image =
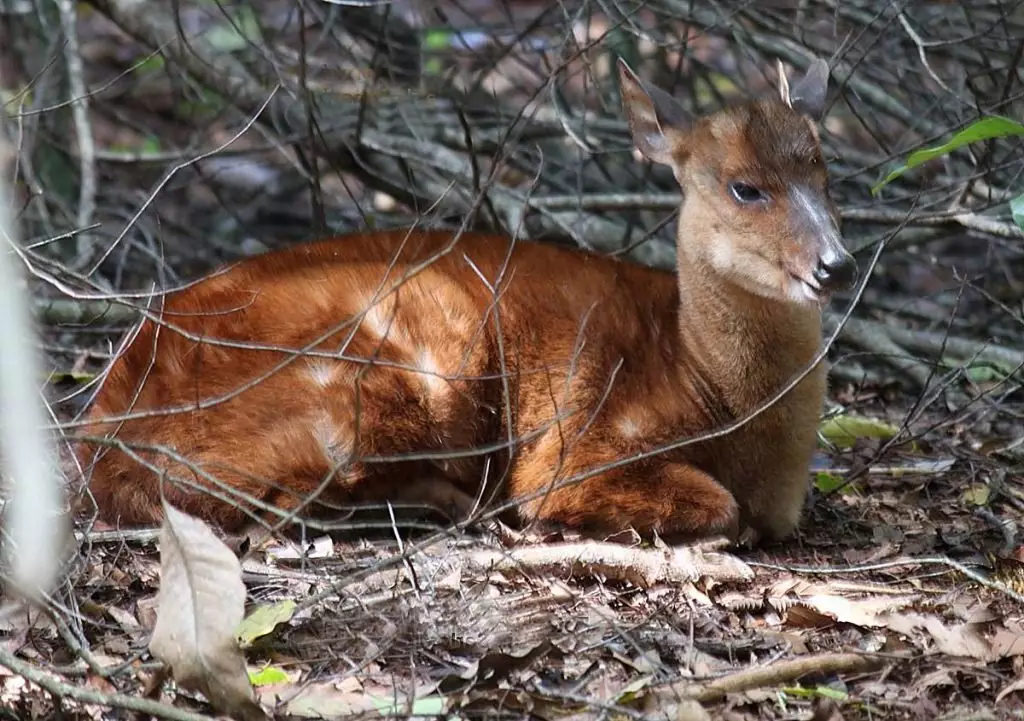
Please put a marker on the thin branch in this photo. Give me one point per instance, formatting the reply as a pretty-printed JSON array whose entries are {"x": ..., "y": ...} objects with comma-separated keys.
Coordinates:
[
  {"x": 83, "y": 129},
  {"x": 61, "y": 689},
  {"x": 775, "y": 674}
]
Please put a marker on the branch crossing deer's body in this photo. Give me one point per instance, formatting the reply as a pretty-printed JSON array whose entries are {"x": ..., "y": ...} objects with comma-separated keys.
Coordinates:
[{"x": 380, "y": 366}]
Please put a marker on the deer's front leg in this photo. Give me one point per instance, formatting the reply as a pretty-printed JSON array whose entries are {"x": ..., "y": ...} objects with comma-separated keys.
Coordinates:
[{"x": 677, "y": 501}]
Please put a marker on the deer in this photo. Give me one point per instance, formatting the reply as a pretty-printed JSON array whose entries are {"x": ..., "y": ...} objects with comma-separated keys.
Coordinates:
[{"x": 464, "y": 369}]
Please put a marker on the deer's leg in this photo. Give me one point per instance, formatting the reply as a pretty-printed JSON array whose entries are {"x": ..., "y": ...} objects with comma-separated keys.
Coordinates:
[{"x": 676, "y": 500}]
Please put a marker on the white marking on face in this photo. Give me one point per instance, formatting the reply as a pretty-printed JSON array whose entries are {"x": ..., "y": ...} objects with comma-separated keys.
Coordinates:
[
  {"x": 721, "y": 253},
  {"x": 814, "y": 214},
  {"x": 801, "y": 292}
]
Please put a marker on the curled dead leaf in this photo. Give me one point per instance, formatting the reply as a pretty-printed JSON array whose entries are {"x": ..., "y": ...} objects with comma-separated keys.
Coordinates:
[{"x": 200, "y": 603}]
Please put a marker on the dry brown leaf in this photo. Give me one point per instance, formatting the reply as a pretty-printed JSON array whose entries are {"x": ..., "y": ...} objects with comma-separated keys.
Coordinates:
[
  {"x": 938, "y": 677},
  {"x": 961, "y": 639},
  {"x": 200, "y": 602},
  {"x": 1007, "y": 642},
  {"x": 327, "y": 700},
  {"x": 804, "y": 604}
]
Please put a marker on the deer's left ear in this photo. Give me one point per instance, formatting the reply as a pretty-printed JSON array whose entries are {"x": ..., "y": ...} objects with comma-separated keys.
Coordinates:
[
  {"x": 658, "y": 123},
  {"x": 808, "y": 95}
]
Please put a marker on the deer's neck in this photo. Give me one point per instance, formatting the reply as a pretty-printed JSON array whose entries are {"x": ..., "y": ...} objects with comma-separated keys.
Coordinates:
[{"x": 743, "y": 346}]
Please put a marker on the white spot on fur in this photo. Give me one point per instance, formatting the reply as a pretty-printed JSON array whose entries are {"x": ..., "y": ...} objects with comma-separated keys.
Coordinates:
[
  {"x": 431, "y": 372},
  {"x": 377, "y": 320},
  {"x": 322, "y": 372},
  {"x": 628, "y": 427},
  {"x": 337, "y": 447}
]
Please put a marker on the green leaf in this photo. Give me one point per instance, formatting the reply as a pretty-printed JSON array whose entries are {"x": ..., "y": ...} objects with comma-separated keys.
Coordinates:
[
  {"x": 1017, "y": 208},
  {"x": 151, "y": 145},
  {"x": 842, "y": 431},
  {"x": 437, "y": 39},
  {"x": 981, "y": 373},
  {"x": 832, "y": 693},
  {"x": 977, "y": 495},
  {"x": 150, "y": 65},
  {"x": 263, "y": 620},
  {"x": 629, "y": 692},
  {"x": 268, "y": 676},
  {"x": 819, "y": 691},
  {"x": 994, "y": 126},
  {"x": 827, "y": 482}
]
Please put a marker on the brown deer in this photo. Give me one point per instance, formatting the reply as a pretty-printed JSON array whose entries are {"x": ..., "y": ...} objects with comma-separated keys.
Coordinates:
[{"x": 392, "y": 365}]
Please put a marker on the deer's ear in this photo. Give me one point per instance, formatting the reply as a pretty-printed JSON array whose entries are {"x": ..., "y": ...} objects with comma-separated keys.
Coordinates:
[
  {"x": 657, "y": 121},
  {"x": 808, "y": 95}
]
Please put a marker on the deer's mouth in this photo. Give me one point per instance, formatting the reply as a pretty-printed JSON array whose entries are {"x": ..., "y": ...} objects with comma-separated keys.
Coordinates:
[{"x": 809, "y": 288}]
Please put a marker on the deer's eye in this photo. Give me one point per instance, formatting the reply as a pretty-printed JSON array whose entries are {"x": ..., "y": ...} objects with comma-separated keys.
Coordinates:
[{"x": 745, "y": 193}]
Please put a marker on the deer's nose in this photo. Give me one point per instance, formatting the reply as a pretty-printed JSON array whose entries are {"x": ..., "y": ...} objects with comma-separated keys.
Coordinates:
[{"x": 836, "y": 271}]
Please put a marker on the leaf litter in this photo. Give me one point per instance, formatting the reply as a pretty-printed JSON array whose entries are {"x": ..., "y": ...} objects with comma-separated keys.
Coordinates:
[{"x": 858, "y": 617}]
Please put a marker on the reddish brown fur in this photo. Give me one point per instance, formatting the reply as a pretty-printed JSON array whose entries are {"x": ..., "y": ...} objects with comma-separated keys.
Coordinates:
[{"x": 602, "y": 359}]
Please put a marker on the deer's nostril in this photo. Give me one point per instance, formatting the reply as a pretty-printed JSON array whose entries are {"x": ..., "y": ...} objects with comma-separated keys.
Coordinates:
[{"x": 836, "y": 272}]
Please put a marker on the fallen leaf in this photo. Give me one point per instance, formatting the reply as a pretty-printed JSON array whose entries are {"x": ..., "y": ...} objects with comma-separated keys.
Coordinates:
[
  {"x": 827, "y": 482},
  {"x": 962, "y": 639},
  {"x": 977, "y": 494},
  {"x": 1008, "y": 642},
  {"x": 842, "y": 431},
  {"x": 321, "y": 547},
  {"x": 263, "y": 620},
  {"x": 324, "y": 700},
  {"x": 631, "y": 689},
  {"x": 939, "y": 677},
  {"x": 200, "y": 602},
  {"x": 268, "y": 675}
]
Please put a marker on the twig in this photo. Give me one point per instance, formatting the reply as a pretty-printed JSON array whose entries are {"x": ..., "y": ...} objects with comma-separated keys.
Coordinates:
[
  {"x": 127, "y": 535},
  {"x": 83, "y": 129},
  {"x": 874, "y": 339},
  {"x": 970, "y": 221},
  {"x": 900, "y": 562},
  {"x": 67, "y": 311},
  {"x": 929, "y": 341},
  {"x": 60, "y": 689},
  {"x": 773, "y": 675},
  {"x": 643, "y": 567}
]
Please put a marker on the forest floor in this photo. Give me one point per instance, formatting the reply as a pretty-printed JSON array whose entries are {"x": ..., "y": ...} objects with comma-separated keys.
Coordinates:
[{"x": 898, "y": 599}]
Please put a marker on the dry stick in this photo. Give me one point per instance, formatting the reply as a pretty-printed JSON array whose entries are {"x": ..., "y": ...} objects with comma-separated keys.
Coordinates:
[
  {"x": 83, "y": 128},
  {"x": 773, "y": 675},
  {"x": 875, "y": 340},
  {"x": 61, "y": 689},
  {"x": 905, "y": 561},
  {"x": 884, "y": 334},
  {"x": 68, "y": 311},
  {"x": 641, "y": 566}
]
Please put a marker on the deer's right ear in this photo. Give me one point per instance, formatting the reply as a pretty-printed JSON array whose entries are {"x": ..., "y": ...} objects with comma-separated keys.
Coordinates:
[{"x": 656, "y": 119}]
